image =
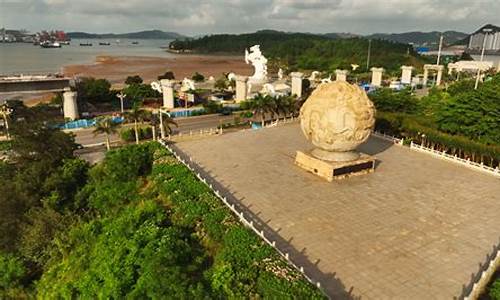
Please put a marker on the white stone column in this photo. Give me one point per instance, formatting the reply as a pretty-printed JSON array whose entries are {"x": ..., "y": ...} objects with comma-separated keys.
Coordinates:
[
  {"x": 167, "y": 87},
  {"x": 241, "y": 88},
  {"x": 377, "y": 76},
  {"x": 406, "y": 74},
  {"x": 70, "y": 105},
  {"x": 297, "y": 83},
  {"x": 341, "y": 75},
  {"x": 439, "y": 75},
  {"x": 426, "y": 75}
]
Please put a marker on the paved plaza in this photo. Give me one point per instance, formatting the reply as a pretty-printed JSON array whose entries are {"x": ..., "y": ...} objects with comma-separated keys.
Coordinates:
[{"x": 416, "y": 228}]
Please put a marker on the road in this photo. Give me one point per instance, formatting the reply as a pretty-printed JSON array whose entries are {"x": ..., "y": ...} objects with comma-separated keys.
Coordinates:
[{"x": 85, "y": 137}]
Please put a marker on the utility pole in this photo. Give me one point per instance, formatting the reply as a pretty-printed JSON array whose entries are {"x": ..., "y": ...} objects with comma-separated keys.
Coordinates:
[
  {"x": 368, "y": 56},
  {"x": 485, "y": 31},
  {"x": 439, "y": 50}
]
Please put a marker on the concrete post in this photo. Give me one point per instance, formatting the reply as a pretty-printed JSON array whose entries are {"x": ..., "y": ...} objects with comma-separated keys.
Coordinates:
[
  {"x": 439, "y": 75},
  {"x": 406, "y": 74},
  {"x": 341, "y": 75},
  {"x": 426, "y": 74},
  {"x": 241, "y": 88},
  {"x": 377, "y": 76},
  {"x": 167, "y": 87},
  {"x": 70, "y": 106},
  {"x": 297, "y": 83}
]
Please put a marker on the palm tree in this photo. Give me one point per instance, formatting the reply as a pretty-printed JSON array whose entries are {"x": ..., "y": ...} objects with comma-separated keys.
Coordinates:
[
  {"x": 167, "y": 121},
  {"x": 136, "y": 114},
  {"x": 107, "y": 126},
  {"x": 261, "y": 105}
]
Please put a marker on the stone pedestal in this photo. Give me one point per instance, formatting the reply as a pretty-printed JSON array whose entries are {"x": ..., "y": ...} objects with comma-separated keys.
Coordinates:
[
  {"x": 167, "y": 87},
  {"x": 406, "y": 74},
  {"x": 341, "y": 75},
  {"x": 241, "y": 88},
  {"x": 297, "y": 83},
  {"x": 377, "y": 76},
  {"x": 70, "y": 105},
  {"x": 334, "y": 170}
]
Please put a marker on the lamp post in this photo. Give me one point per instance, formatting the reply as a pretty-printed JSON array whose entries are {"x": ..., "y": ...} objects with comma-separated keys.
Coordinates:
[
  {"x": 5, "y": 111},
  {"x": 162, "y": 129},
  {"x": 121, "y": 96},
  {"x": 485, "y": 31}
]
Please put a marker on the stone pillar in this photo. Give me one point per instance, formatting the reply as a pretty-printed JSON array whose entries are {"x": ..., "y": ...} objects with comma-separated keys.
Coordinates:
[
  {"x": 70, "y": 106},
  {"x": 377, "y": 76},
  {"x": 297, "y": 83},
  {"x": 241, "y": 88},
  {"x": 426, "y": 74},
  {"x": 167, "y": 87},
  {"x": 341, "y": 75},
  {"x": 439, "y": 75},
  {"x": 406, "y": 74}
]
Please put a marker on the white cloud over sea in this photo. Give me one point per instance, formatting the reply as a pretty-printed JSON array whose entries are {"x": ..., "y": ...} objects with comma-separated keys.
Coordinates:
[{"x": 234, "y": 16}]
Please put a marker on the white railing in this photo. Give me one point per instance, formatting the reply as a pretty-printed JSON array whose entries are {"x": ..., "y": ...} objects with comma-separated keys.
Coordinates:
[
  {"x": 453, "y": 158},
  {"x": 441, "y": 154},
  {"x": 483, "y": 277},
  {"x": 234, "y": 207},
  {"x": 390, "y": 138}
]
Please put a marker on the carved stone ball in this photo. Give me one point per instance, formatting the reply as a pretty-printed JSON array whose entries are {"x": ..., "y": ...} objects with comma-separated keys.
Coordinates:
[{"x": 337, "y": 117}]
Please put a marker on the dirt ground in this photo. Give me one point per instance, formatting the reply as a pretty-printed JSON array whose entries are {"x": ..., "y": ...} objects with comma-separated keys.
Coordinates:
[{"x": 117, "y": 68}]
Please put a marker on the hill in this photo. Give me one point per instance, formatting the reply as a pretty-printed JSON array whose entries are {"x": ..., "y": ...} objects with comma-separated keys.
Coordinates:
[
  {"x": 306, "y": 51},
  {"x": 420, "y": 38},
  {"x": 148, "y": 34}
]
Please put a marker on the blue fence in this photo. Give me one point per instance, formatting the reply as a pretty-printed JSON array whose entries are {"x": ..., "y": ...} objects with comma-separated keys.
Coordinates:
[
  {"x": 186, "y": 112},
  {"x": 84, "y": 123}
]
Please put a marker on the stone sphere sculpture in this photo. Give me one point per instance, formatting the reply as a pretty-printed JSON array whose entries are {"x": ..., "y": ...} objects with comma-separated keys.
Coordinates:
[{"x": 336, "y": 118}]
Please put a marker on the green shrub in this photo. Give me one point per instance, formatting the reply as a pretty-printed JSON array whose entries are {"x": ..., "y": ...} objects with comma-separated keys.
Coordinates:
[
  {"x": 128, "y": 134},
  {"x": 494, "y": 290}
]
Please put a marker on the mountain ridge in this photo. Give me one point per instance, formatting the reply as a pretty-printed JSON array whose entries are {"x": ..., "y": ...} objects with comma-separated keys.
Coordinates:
[{"x": 145, "y": 34}]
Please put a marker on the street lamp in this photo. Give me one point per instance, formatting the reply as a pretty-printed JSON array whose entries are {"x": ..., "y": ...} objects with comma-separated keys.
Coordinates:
[
  {"x": 5, "y": 111},
  {"x": 485, "y": 31},
  {"x": 162, "y": 129},
  {"x": 121, "y": 96}
]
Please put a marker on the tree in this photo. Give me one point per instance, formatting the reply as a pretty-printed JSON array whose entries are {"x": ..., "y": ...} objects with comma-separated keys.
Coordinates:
[
  {"x": 136, "y": 79},
  {"x": 388, "y": 100},
  {"x": 168, "y": 75},
  {"x": 136, "y": 114},
  {"x": 137, "y": 91},
  {"x": 168, "y": 121},
  {"x": 221, "y": 84},
  {"x": 106, "y": 126},
  {"x": 197, "y": 77},
  {"x": 261, "y": 105},
  {"x": 94, "y": 90}
]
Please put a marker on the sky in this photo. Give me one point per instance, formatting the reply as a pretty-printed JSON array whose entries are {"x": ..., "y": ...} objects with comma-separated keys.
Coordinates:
[{"x": 191, "y": 17}]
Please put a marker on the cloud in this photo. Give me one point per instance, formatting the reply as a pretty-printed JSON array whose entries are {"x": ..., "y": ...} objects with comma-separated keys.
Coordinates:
[{"x": 232, "y": 16}]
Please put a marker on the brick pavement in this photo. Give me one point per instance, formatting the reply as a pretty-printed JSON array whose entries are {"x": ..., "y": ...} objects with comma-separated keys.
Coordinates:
[{"x": 417, "y": 228}]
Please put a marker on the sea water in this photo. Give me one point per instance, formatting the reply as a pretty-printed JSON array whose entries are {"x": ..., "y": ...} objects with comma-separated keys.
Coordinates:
[{"x": 25, "y": 58}]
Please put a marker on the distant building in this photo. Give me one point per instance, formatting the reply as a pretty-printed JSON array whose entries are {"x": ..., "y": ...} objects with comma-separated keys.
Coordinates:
[{"x": 492, "y": 38}]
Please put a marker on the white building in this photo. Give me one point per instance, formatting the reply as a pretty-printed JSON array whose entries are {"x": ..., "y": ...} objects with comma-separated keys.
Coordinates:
[{"x": 492, "y": 38}]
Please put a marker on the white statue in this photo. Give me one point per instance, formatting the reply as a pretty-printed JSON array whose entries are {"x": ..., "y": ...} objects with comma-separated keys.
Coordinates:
[
  {"x": 231, "y": 76},
  {"x": 354, "y": 67},
  {"x": 187, "y": 84},
  {"x": 280, "y": 73},
  {"x": 259, "y": 62},
  {"x": 314, "y": 75},
  {"x": 268, "y": 89},
  {"x": 327, "y": 80},
  {"x": 155, "y": 85}
]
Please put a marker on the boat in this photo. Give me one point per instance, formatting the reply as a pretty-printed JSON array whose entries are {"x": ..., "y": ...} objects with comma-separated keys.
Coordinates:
[
  {"x": 104, "y": 44},
  {"x": 49, "y": 44},
  {"x": 135, "y": 43},
  {"x": 64, "y": 42},
  {"x": 86, "y": 44}
]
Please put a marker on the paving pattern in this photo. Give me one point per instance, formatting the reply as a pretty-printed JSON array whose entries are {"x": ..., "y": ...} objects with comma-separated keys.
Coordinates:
[{"x": 416, "y": 228}]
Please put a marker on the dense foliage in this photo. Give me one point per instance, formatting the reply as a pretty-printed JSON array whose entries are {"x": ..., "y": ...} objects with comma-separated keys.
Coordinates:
[
  {"x": 307, "y": 51},
  {"x": 139, "y": 225},
  {"x": 461, "y": 121},
  {"x": 92, "y": 90}
]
